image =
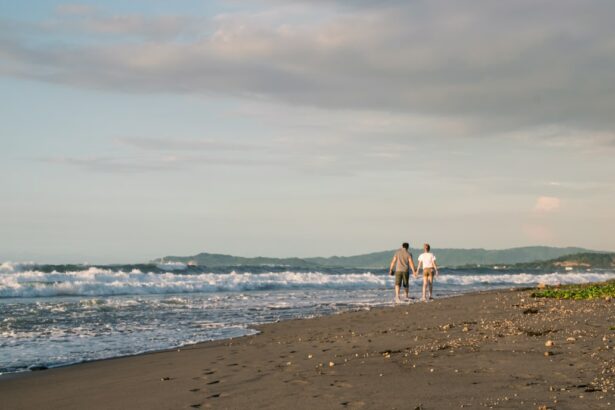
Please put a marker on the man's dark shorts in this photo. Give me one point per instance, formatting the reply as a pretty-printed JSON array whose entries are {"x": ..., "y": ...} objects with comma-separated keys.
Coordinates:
[{"x": 402, "y": 277}]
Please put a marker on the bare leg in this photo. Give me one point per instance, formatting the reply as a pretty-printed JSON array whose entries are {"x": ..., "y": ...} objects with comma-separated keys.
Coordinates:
[
  {"x": 396, "y": 293},
  {"x": 430, "y": 286},
  {"x": 407, "y": 290},
  {"x": 424, "y": 287}
]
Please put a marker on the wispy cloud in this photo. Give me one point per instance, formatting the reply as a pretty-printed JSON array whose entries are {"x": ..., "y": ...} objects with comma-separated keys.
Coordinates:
[
  {"x": 174, "y": 144},
  {"x": 545, "y": 204},
  {"x": 76, "y": 9},
  {"x": 116, "y": 165},
  {"x": 499, "y": 66}
]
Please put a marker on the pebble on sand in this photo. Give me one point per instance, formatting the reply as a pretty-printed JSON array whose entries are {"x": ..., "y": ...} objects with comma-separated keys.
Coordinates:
[{"x": 549, "y": 343}]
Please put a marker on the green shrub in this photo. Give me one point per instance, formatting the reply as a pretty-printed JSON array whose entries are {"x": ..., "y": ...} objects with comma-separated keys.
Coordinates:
[{"x": 578, "y": 292}]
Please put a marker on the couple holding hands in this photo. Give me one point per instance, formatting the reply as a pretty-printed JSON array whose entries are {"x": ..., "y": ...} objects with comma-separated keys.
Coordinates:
[{"x": 401, "y": 264}]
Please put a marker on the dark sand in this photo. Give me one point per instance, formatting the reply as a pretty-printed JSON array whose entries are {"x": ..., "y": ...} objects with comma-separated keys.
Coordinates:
[{"x": 474, "y": 351}]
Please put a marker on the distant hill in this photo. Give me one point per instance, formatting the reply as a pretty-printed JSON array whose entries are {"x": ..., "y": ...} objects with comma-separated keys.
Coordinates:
[
  {"x": 456, "y": 257},
  {"x": 445, "y": 257},
  {"x": 578, "y": 260},
  {"x": 216, "y": 259}
]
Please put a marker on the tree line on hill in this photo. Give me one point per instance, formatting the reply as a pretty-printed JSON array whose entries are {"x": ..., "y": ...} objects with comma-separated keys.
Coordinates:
[{"x": 530, "y": 256}]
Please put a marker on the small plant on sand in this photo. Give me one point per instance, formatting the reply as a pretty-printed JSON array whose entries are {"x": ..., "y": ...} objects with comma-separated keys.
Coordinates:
[{"x": 578, "y": 292}]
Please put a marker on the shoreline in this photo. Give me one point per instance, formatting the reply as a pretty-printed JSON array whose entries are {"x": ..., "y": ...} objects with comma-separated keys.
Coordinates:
[
  {"x": 8, "y": 375},
  {"x": 481, "y": 345}
]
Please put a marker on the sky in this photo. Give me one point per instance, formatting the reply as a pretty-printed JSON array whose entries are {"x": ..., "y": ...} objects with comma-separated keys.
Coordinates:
[{"x": 131, "y": 130}]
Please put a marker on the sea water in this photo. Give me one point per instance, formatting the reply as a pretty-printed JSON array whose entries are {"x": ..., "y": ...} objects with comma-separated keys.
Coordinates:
[{"x": 55, "y": 315}]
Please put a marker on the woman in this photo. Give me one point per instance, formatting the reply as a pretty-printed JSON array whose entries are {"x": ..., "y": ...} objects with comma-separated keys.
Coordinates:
[{"x": 430, "y": 269}]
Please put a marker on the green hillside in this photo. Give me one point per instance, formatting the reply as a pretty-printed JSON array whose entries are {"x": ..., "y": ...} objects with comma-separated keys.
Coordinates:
[
  {"x": 215, "y": 259},
  {"x": 456, "y": 257},
  {"x": 578, "y": 260},
  {"x": 446, "y": 257}
]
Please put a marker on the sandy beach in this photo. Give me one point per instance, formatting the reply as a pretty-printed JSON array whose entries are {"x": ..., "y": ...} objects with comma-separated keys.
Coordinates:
[{"x": 486, "y": 350}]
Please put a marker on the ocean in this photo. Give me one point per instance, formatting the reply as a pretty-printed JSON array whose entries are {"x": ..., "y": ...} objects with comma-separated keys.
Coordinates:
[{"x": 56, "y": 315}]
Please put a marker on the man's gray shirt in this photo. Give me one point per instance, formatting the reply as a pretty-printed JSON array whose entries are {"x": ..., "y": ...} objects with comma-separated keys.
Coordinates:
[{"x": 402, "y": 256}]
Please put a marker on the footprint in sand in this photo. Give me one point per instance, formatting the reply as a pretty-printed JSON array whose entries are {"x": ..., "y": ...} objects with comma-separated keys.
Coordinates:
[
  {"x": 297, "y": 381},
  {"x": 214, "y": 396},
  {"x": 214, "y": 382},
  {"x": 353, "y": 404},
  {"x": 195, "y": 390},
  {"x": 209, "y": 372}
]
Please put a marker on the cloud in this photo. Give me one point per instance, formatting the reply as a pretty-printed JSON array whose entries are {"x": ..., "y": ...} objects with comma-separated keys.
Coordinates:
[
  {"x": 161, "y": 163},
  {"x": 116, "y": 165},
  {"x": 168, "y": 144},
  {"x": 557, "y": 136},
  {"x": 74, "y": 9},
  {"x": 545, "y": 204},
  {"x": 160, "y": 27},
  {"x": 499, "y": 66}
]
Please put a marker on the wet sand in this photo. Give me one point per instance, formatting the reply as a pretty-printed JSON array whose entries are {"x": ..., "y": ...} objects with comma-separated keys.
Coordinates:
[{"x": 485, "y": 350}]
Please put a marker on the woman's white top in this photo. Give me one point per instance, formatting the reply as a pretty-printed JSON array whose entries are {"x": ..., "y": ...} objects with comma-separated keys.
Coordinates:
[{"x": 428, "y": 259}]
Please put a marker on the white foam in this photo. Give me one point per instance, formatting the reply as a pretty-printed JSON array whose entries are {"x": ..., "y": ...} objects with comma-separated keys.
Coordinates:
[
  {"x": 526, "y": 278},
  {"x": 9, "y": 267},
  {"x": 15, "y": 282},
  {"x": 106, "y": 282}
]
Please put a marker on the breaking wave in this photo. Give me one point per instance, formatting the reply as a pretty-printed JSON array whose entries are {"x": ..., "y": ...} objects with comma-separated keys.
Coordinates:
[
  {"x": 21, "y": 281},
  {"x": 105, "y": 282},
  {"x": 526, "y": 278}
]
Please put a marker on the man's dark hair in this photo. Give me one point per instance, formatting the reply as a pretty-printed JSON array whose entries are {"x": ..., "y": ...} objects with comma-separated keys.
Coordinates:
[
  {"x": 405, "y": 245},
  {"x": 427, "y": 247}
]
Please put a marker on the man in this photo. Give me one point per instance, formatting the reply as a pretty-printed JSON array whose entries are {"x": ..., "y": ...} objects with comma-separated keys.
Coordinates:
[
  {"x": 400, "y": 266},
  {"x": 430, "y": 269}
]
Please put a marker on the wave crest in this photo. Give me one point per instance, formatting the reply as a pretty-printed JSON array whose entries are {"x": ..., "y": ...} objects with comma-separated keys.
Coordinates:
[
  {"x": 105, "y": 282},
  {"x": 18, "y": 282}
]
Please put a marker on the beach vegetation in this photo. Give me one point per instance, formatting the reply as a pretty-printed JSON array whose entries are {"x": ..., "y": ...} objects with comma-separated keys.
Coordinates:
[{"x": 578, "y": 292}]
